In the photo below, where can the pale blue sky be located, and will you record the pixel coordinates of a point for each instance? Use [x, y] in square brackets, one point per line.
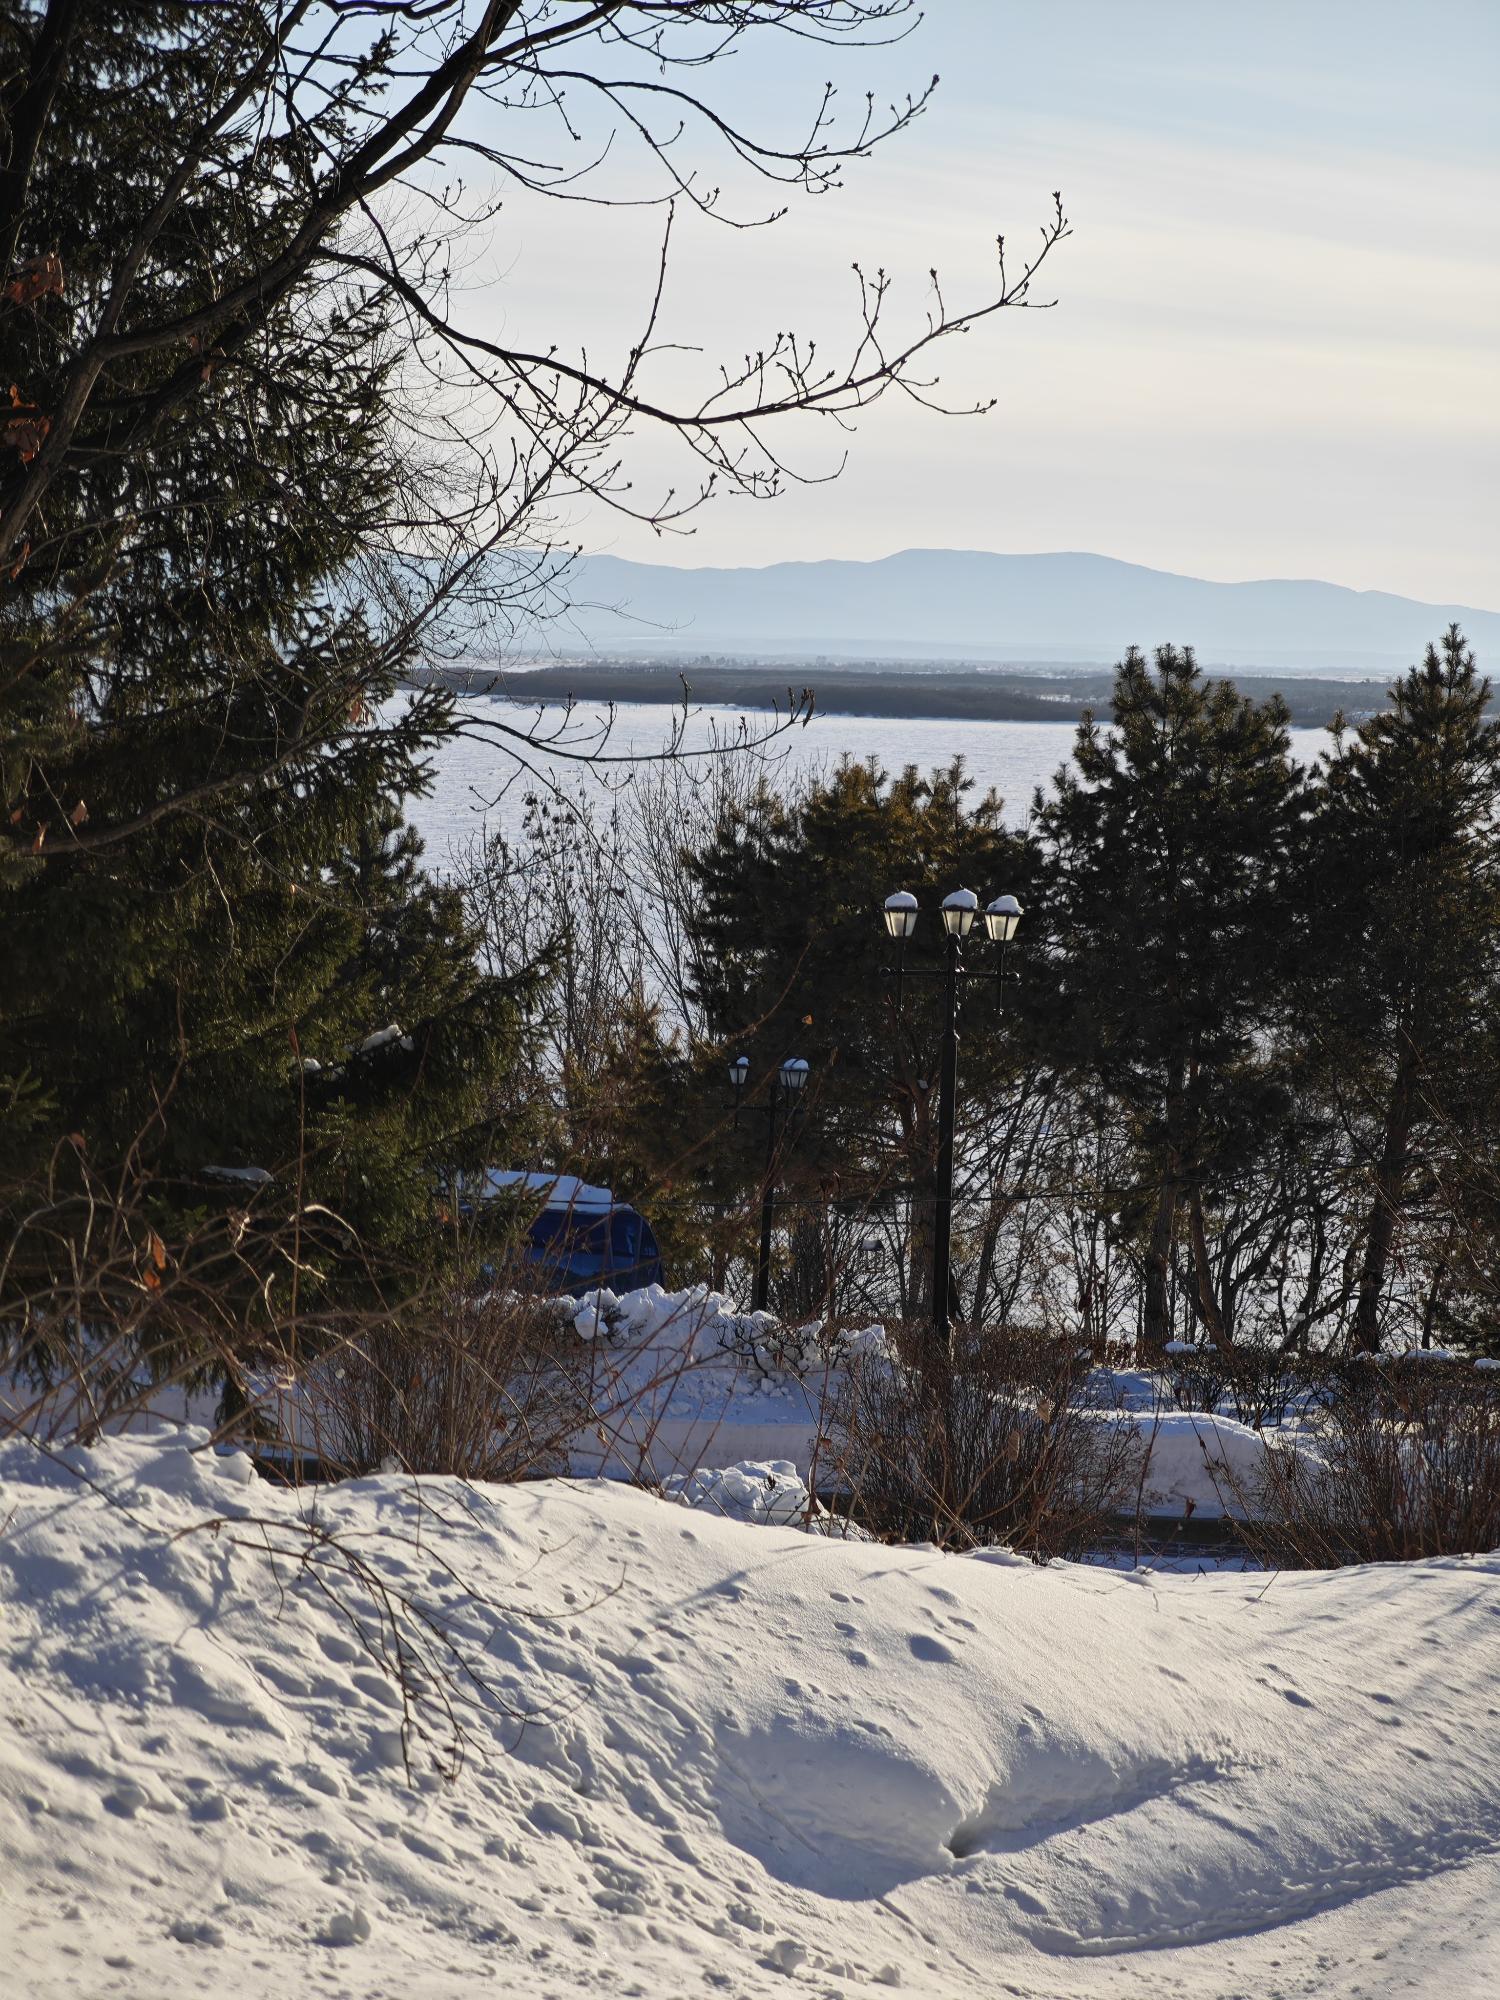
[1277, 344]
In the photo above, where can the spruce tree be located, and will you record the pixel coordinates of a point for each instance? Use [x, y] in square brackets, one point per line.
[206, 886]
[1160, 926]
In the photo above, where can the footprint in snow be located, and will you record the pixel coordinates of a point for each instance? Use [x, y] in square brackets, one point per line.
[345, 1927]
[185, 1930]
[549, 1818]
[925, 1647]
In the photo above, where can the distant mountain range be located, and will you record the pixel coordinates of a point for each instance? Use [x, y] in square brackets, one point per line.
[959, 604]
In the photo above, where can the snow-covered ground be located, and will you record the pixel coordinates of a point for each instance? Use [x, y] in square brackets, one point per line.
[708, 1756]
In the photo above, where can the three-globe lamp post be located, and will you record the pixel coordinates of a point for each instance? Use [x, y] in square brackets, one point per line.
[959, 913]
[791, 1081]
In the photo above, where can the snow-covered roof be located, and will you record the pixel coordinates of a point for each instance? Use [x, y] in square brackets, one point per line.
[561, 1190]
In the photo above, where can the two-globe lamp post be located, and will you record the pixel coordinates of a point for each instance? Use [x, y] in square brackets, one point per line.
[791, 1081]
[959, 912]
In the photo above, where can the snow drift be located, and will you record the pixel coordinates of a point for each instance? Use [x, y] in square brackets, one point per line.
[701, 1754]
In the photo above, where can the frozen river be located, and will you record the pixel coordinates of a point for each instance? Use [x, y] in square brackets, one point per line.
[481, 783]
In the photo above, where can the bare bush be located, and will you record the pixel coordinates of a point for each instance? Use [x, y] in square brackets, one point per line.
[995, 1444]
[1402, 1461]
[1195, 1378]
[489, 1388]
[1258, 1386]
[105, 1322]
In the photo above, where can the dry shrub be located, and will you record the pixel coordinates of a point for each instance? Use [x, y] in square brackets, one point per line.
[995, 1443]
[1402, 1461]
[488, 1388]
[1254, 1385]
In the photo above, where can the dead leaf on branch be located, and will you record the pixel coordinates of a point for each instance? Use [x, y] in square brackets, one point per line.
[25, 427]
[38, 278]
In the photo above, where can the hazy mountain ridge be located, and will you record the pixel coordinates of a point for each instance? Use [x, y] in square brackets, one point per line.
[967, 604]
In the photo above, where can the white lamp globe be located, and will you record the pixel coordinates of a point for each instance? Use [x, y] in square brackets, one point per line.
[959, 912]
[1001, 918]
[901, 914]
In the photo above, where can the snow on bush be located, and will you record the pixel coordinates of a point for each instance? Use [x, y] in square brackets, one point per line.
[705, 1328]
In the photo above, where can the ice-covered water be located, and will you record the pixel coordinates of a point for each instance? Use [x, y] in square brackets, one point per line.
[482, 778]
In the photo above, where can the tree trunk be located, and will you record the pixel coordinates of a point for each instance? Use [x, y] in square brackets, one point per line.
[1203, 1297]
[1390, 1177]
[1156, 1326]
[919, 1141]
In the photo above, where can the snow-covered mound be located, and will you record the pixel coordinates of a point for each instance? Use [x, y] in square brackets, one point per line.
[685, 1380]
[686, 1384]
[1198, 1465]
[773, 1493]
[707, 1756]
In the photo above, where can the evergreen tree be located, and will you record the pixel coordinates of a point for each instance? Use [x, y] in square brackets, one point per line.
[1161, 923]
[205, 882]
[1405, 869]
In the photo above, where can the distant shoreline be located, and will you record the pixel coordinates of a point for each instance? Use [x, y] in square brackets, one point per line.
[962, 695]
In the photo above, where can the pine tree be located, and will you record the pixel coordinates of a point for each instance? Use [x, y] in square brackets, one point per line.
[1160, 924]
[1405, 867]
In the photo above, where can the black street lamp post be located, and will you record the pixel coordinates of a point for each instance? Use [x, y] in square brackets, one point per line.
[958, 912]
[790, 1082]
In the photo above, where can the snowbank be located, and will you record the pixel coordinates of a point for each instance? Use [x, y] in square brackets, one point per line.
[705, 1756]
[686, 1383]
[682, 1383]
[1199, 1466]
